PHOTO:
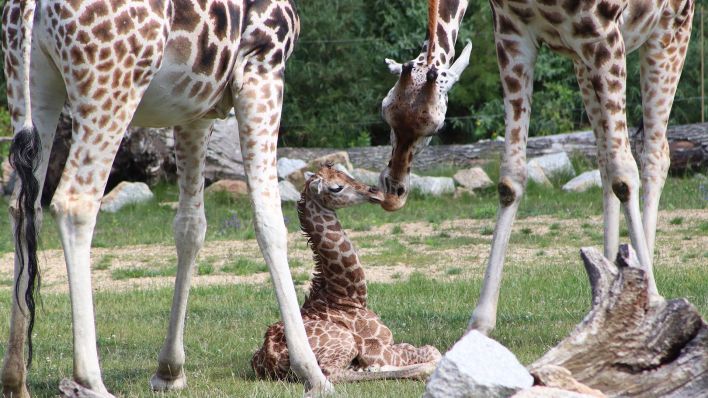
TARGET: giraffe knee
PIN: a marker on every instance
(509, 191)
(80, 209)
(622, 189)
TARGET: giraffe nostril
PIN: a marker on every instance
(373, 189)
(400, 191)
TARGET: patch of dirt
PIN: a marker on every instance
(678, 244)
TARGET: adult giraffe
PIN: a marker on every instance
(175, 63)
(596, 34)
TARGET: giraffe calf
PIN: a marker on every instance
(348, 339)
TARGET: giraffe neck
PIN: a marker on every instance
(339, 276)
(443, 26)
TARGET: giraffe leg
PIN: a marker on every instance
(189, 230)
(516, 64)
(607, 75)
(610, 203)
(661, 65)
(48, 98)
(258, 107)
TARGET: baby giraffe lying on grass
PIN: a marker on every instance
(348, 339)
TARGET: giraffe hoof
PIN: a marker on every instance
(159, 383)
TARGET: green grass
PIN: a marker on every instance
(245, 266)
(538, 307)
(152, 224)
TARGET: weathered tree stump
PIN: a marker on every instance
(631, 344)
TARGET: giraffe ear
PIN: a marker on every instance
(458, 67)
(394, 66)
(316, 185)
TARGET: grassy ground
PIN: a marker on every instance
(430, 255)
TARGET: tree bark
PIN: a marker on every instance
(630, 344)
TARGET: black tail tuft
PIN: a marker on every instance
(24, 158)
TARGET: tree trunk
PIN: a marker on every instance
(629, 344)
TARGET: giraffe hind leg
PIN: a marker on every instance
(48, 96)
(189, 230)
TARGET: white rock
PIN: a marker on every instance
(535, 173)
(474, 178)
(366, 176)
(477, 366)
(584, 181)
(435, 186)
(554, 164)
(125, 193)
(341, 157)
(288, 192)
(343, 169)
(287, 166)
(549, 392)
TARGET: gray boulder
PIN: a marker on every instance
(435, 186)
(550, 392)
(473, 178)
(366, 176)
(477, 366)
(554, 164)
(286, 166)
(584, 181)
(288, 192)
(124, 194)
(535, 173)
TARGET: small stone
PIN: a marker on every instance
(288, 192)
(584, 181)
(535, 173)
(286, 166)
(235, 188)
(435, 186)
(477, 366)
(124, 194)
(473, 178)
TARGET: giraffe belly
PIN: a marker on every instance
(176, 96)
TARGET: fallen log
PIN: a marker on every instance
(631, 344)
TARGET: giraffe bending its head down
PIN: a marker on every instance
(596, 35)
(156, 63)
(345, 335)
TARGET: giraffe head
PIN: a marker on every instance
(415, 110)
(333, 189)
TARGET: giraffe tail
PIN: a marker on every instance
(419, 371)
(24, 158)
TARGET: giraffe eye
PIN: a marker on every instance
(336, 188)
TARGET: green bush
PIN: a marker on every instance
(336, 78)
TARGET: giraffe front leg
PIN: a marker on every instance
(516, 56)
(604, 65)
(258, 108)
(661, 65)
(189, 229)
(610, 203)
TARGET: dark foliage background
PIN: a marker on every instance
(336, 78)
